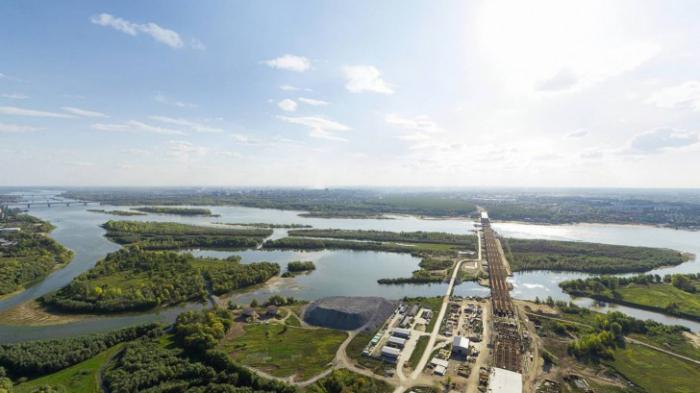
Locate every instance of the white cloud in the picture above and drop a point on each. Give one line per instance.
(289, 88)
(194, 126)
(197, 44)
(15, 96)
(185, 150)
(163, 99)
(287, 105)
(290, 63)
(361, 78)
(577, 134)
(419, 123)
(562, 80)
(684, 95)
(135, 126)
(83, 112)
(660, 140)
(161, 34)
(319, 127)
(16, 128)
(312, 102)
(14, 111)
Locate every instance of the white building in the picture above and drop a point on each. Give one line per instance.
(505, 381)
(396, 341)
(460, 346)
(403, 333)
(391, 353)
(440, 370)
(437, 362)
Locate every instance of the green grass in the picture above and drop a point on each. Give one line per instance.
(418, 351)
(661, 296)
(283, 350)
(83, 377)
(347, 381)
(656, 371)
(293, 320)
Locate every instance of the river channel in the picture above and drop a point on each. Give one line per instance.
(339, 272)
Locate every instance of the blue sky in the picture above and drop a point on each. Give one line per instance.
(319, 94)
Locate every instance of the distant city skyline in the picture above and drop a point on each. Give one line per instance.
(327, 94)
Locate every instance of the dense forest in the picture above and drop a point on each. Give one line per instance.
(29, 254)
(345, 381)
(468, 241)
(171, 236)
(229, 274)
(118, 212)
(586, 257)
(190, 363)
(36, 358)
(133, 279)
(676, 210)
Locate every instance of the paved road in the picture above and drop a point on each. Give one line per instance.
(436, 328)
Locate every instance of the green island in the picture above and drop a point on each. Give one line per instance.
(118, 212)
(431, 270)
(132, 279)
(466, 241)
(27, 253)
(677, 294)
(266, 225)
(613, 344)
(416, 243)
(298, 267)
(179, 211)
(170, 235)
(526, 254)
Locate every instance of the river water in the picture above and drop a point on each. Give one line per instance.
(338, 272)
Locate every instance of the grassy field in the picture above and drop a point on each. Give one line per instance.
(661, 296)
(283, 350)
(83, 377)
(418, 351)
(656, 371)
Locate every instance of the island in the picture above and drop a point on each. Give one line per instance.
(179, 211)
(27, 253)
(154, 235)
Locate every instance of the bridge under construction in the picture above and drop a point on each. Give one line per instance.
(507, 340)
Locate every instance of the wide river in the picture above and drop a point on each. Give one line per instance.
(339, 272)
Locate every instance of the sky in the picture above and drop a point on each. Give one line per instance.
(362, 93)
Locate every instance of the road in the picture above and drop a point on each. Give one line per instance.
(436, 329)
(628, 339)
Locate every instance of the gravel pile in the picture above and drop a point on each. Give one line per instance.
(349, 313)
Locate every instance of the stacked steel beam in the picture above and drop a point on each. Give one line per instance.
(507, 341)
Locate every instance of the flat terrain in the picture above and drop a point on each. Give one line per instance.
(283, 350)
(655, 371)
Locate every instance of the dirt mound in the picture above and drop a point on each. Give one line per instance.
(349, 313)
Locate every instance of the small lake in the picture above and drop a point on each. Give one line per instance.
(338, 272)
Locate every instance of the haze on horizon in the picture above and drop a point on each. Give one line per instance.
(312, 93)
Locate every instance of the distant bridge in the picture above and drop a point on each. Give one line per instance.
(48, 203)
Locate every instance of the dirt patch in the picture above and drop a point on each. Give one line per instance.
(32, 313)
(694, 338)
